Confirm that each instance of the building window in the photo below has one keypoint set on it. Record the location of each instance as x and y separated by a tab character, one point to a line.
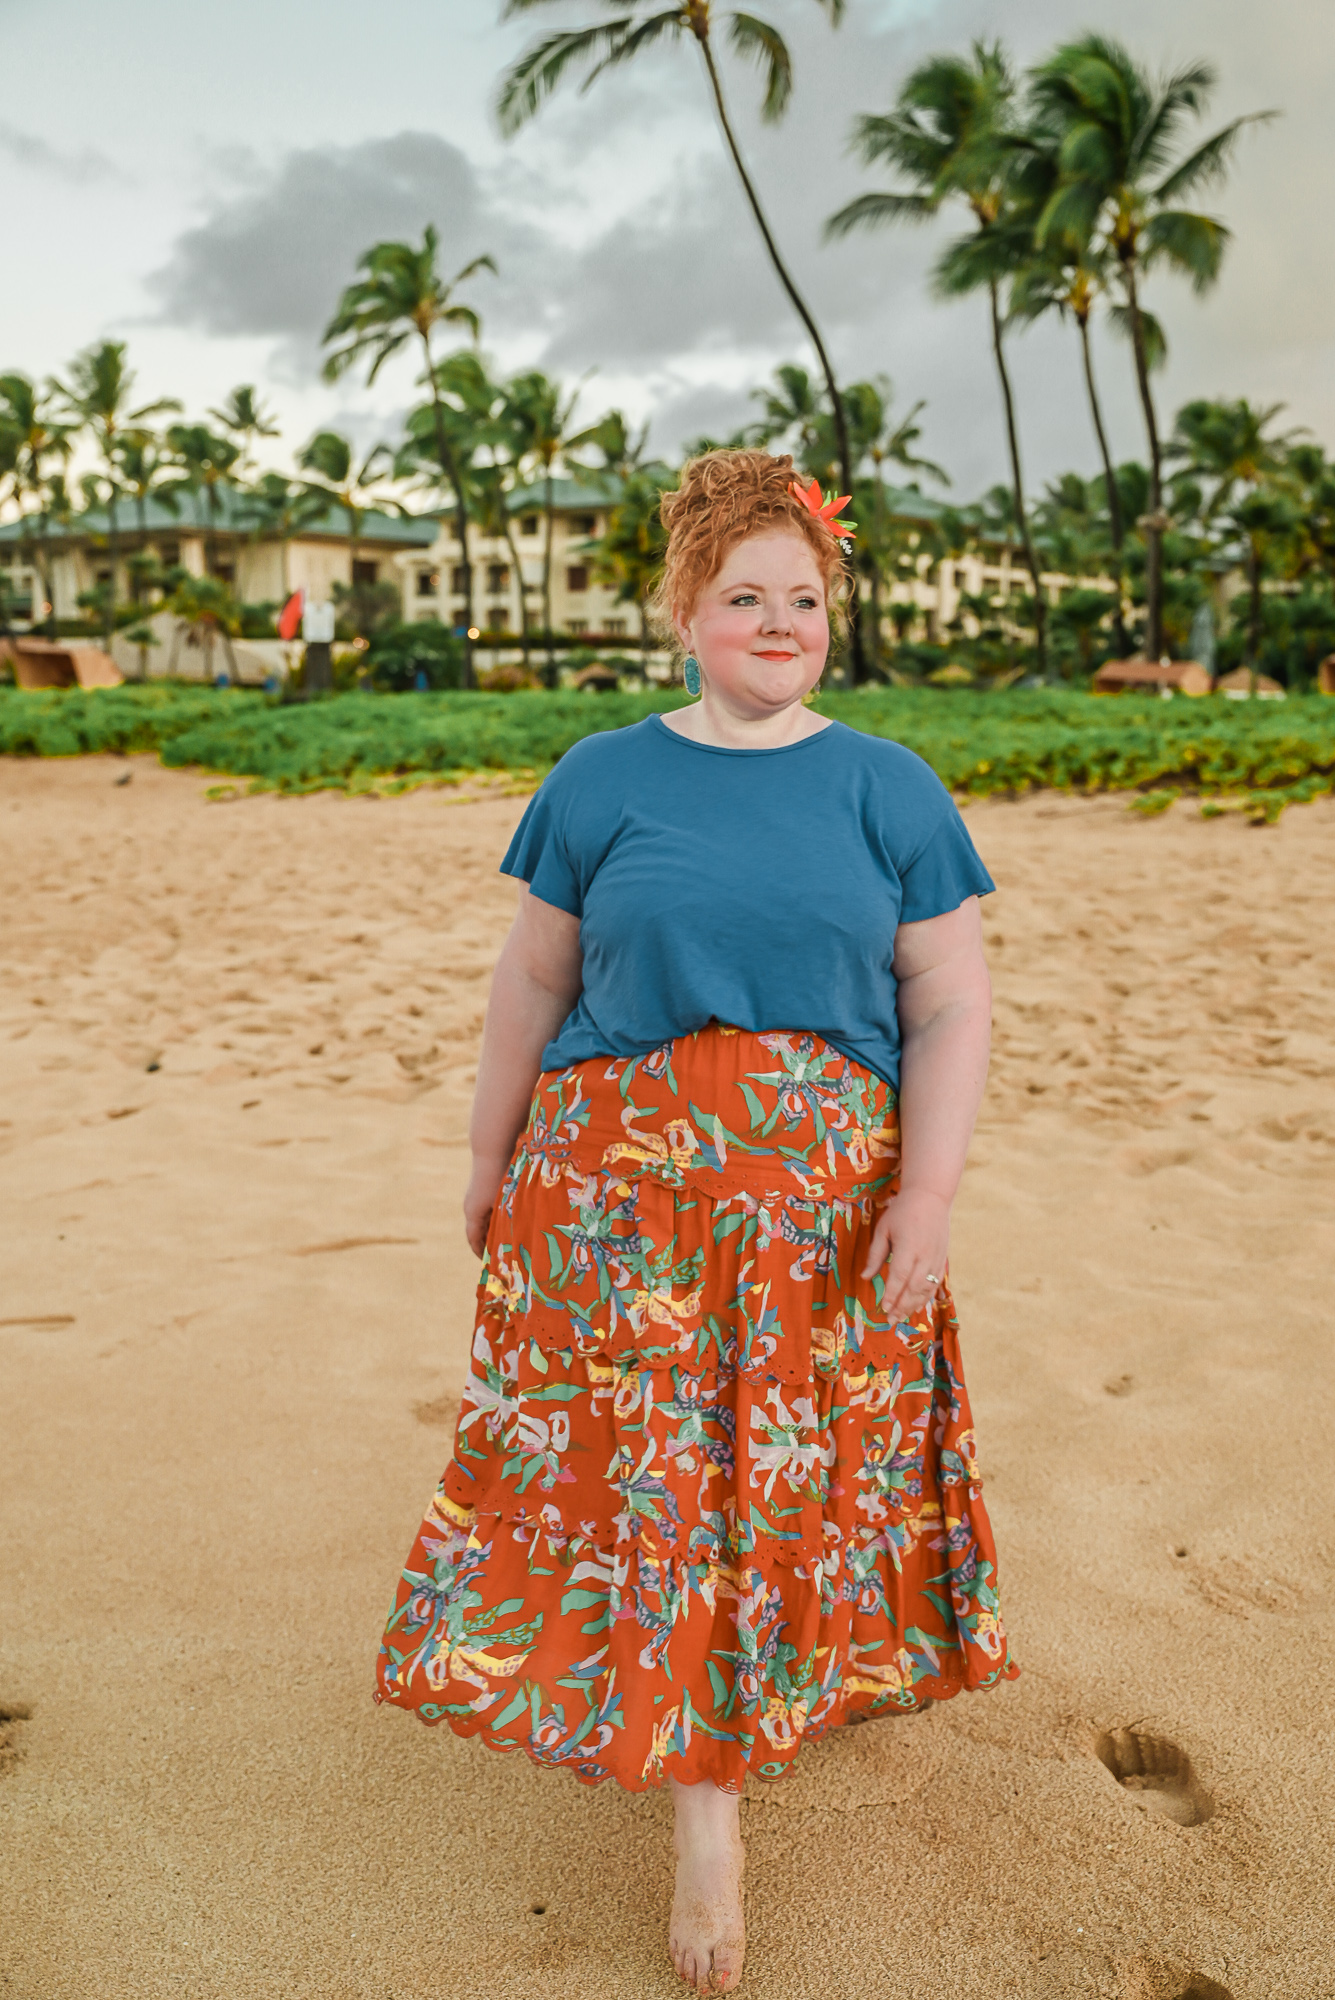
225	572
614	627
459	579
498	618
366	572
101	576
577	577
577	625
528	524
498	577
582	524
428	582
169	554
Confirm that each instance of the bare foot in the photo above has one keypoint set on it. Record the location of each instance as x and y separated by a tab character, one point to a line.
707	1937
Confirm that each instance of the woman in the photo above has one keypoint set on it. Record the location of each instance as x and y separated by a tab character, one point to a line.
714	1487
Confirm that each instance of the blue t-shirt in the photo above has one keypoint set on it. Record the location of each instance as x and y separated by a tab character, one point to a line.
761	888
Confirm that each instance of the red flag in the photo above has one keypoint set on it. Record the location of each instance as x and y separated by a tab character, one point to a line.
289	622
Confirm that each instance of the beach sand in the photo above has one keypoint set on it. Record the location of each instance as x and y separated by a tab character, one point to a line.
236	1052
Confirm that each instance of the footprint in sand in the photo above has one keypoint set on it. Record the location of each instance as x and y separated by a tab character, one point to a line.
1151	1979
1156	1773
1239	1587
1119	1385
13	1715
442	1411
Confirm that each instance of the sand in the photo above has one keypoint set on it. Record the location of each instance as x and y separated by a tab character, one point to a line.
234	1318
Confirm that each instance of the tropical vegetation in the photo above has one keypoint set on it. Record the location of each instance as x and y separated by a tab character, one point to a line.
1253	757
1077	178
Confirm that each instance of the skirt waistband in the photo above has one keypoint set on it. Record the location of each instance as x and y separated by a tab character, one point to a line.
723	1109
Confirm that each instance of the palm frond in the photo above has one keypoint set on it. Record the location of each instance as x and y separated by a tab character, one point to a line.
873	211
756	41
1182	95
381	345
639	37
1156	340
1192	244
1070	217
462	316
971	263
540	69
1209	161
471	270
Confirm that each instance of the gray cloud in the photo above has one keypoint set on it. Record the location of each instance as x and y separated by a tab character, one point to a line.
674	301
81	169
276	249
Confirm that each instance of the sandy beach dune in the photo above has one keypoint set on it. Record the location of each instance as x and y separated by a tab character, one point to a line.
236	1053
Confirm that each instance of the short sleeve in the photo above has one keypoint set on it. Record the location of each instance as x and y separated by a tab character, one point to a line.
944	873
539	855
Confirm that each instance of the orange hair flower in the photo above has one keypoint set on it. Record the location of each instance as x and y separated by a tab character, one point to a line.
811	499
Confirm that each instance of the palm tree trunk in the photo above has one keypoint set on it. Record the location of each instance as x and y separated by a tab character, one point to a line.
513	554
1153	523
450	468
1022	518
1253	612
113	544
549	501
800	307
1109	477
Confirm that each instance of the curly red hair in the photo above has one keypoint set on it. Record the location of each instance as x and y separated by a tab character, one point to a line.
725	497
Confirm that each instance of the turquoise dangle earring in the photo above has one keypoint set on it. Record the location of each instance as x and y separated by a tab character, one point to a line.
690	673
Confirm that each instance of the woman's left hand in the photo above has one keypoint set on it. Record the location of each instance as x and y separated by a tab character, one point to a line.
913	1231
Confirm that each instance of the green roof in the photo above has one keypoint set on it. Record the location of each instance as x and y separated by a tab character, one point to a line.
568	496
232	517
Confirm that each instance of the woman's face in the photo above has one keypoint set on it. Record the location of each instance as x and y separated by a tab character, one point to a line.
760	630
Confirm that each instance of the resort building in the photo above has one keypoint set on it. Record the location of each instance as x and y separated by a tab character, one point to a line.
230	542
420	555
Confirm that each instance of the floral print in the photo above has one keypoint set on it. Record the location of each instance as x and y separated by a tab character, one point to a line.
707	1499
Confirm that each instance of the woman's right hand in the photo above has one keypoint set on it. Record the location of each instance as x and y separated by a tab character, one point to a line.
479	1200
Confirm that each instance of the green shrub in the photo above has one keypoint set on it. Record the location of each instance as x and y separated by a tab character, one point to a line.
1261	754
399	656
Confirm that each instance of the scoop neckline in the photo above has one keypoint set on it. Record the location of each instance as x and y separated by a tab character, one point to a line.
765	750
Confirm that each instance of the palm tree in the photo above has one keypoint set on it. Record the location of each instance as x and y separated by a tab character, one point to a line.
794	410
879	438
10	444
208	463
143	469
207	610
42	441
98	393
1117	129
403	297
540	69
537	416
244	417
1247	466
330	456
1069	283
951	135
631	550
621	450
279	509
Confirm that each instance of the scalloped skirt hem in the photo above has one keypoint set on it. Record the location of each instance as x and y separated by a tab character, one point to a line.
729	1770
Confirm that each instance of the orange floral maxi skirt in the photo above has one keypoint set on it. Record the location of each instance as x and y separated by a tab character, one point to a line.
707	1500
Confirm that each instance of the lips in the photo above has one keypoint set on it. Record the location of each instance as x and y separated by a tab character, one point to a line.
776	656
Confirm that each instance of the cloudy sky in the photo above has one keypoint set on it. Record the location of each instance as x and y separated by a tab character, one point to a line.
200	181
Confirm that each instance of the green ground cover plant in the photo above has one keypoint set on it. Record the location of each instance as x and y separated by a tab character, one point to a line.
1261	755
